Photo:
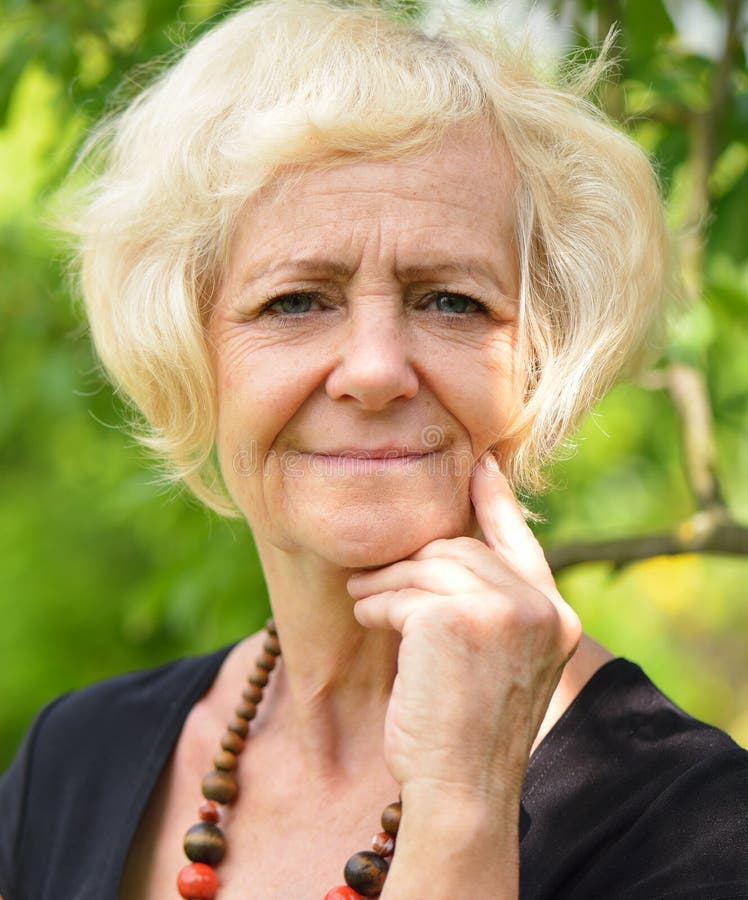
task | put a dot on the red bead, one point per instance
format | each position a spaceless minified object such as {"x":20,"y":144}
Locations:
{"x":342,"y":893}
{"x":197,"y":882}
{"x":383,"y":844}
{"x":208,"y":812}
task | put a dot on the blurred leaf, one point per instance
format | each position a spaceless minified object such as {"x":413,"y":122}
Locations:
{"x":646,"y":25}
{"x":727,"y":284}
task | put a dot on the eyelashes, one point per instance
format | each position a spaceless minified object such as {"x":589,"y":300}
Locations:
{"x":464,"y":304}
{"x":296,"y":303}
{"x":290,"y":305}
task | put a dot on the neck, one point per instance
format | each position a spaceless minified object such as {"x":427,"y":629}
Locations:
{"x":337,"y":677}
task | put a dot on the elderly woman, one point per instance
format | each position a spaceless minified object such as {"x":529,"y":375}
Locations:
{"x":376,"y":274}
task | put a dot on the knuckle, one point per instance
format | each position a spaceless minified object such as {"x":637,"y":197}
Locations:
{"x":448,"y":546}
{"x":469,"y":624}
{"x":467,"y":543}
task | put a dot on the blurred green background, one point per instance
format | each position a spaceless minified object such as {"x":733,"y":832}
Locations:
{"x":103,"y":571}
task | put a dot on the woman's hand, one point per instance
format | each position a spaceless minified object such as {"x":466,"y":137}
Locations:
{"x":485,"y":637}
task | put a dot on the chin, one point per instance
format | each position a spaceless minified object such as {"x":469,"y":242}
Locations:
{"x":372,"y":545}
{"x":364,"y":525}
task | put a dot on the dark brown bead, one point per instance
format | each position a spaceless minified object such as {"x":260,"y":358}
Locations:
{"x":246,"y":710}
{"x":205,"y":843}
{"x":270,"y":627}
{"x":272,"y":645}
{"x":252,"y":694}
{"x":220,"y":786}
{"x":266,"y":661}
{"x":239,"y":726}
{"x":365,"y":872}
{"x":260,"y":678}
{"x":225,"y":760}
{"x":232,"y":741}
{"x":391,"y":818}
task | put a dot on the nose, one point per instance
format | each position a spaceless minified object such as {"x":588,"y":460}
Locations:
{"x":374,"y":364}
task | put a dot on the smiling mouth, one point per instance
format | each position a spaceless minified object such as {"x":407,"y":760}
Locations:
{"x":352,"y":461}
{"x":346,"y":462}
{"x":381,"y":453}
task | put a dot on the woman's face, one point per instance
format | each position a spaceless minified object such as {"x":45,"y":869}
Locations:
{"x":364,"y":341}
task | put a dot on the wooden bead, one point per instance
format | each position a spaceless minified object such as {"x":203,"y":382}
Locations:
{"x":260,"y":678}
{"x":342,"y":893}
{"x":391,"y":818}
{"x":270,"y":627}
{"x":272,"y":646}
{"x":220,"y":786}
{"x":205,"y":843}
{"x":197,"y":882}
{"x":232,"y":741}
{"x":225,"y":760}
{"x":266,"y":661}
{"x":239,"y":726}
{"x":252,"y":693}
{"x":366,"y":872}
{"x":246,"y":710}
{"x":208,"y":812}
{"x":383,"y":844}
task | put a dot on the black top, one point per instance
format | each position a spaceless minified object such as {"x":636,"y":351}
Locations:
{"x":627,"y":798}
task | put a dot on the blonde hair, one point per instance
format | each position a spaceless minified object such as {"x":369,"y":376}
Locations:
{"x":307,"y":82}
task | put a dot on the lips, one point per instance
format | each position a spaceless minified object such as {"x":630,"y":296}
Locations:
{"x":375,"y":452}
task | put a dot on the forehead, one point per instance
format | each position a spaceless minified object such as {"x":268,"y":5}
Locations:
{"x":456,"y":198}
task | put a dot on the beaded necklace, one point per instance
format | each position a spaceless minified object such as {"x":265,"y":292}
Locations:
{"x":205,"y":843}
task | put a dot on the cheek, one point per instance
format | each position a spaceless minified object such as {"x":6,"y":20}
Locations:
{"x":481,"y":389}
{"x":258,"y":393}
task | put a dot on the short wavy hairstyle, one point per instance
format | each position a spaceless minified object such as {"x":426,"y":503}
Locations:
{"x":318,"y":82}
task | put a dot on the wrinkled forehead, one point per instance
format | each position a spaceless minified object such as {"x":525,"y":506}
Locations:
{"x":470,"y":172}
{"x":451,"y":205}
{"x":465,"y":148}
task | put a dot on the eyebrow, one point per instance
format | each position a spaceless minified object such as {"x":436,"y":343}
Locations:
{"x":422,"y":272}
{"x":307,"y":265}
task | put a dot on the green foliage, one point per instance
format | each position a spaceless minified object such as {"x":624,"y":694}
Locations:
{"x":104,"y":571}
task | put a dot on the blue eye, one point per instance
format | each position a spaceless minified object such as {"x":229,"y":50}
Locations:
{"x":454,"y":304}
{"x":292,"y":304}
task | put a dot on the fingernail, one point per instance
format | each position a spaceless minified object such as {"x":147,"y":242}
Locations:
{"x":489,"y":461}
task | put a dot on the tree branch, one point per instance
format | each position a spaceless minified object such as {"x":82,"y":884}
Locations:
{"x":705,"y":532}
{"x":710,"y":529}
{"x":688,"y":391}
{"x":703,"y":130}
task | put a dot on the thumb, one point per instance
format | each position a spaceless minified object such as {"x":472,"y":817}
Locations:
{"x":504,"y":527}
